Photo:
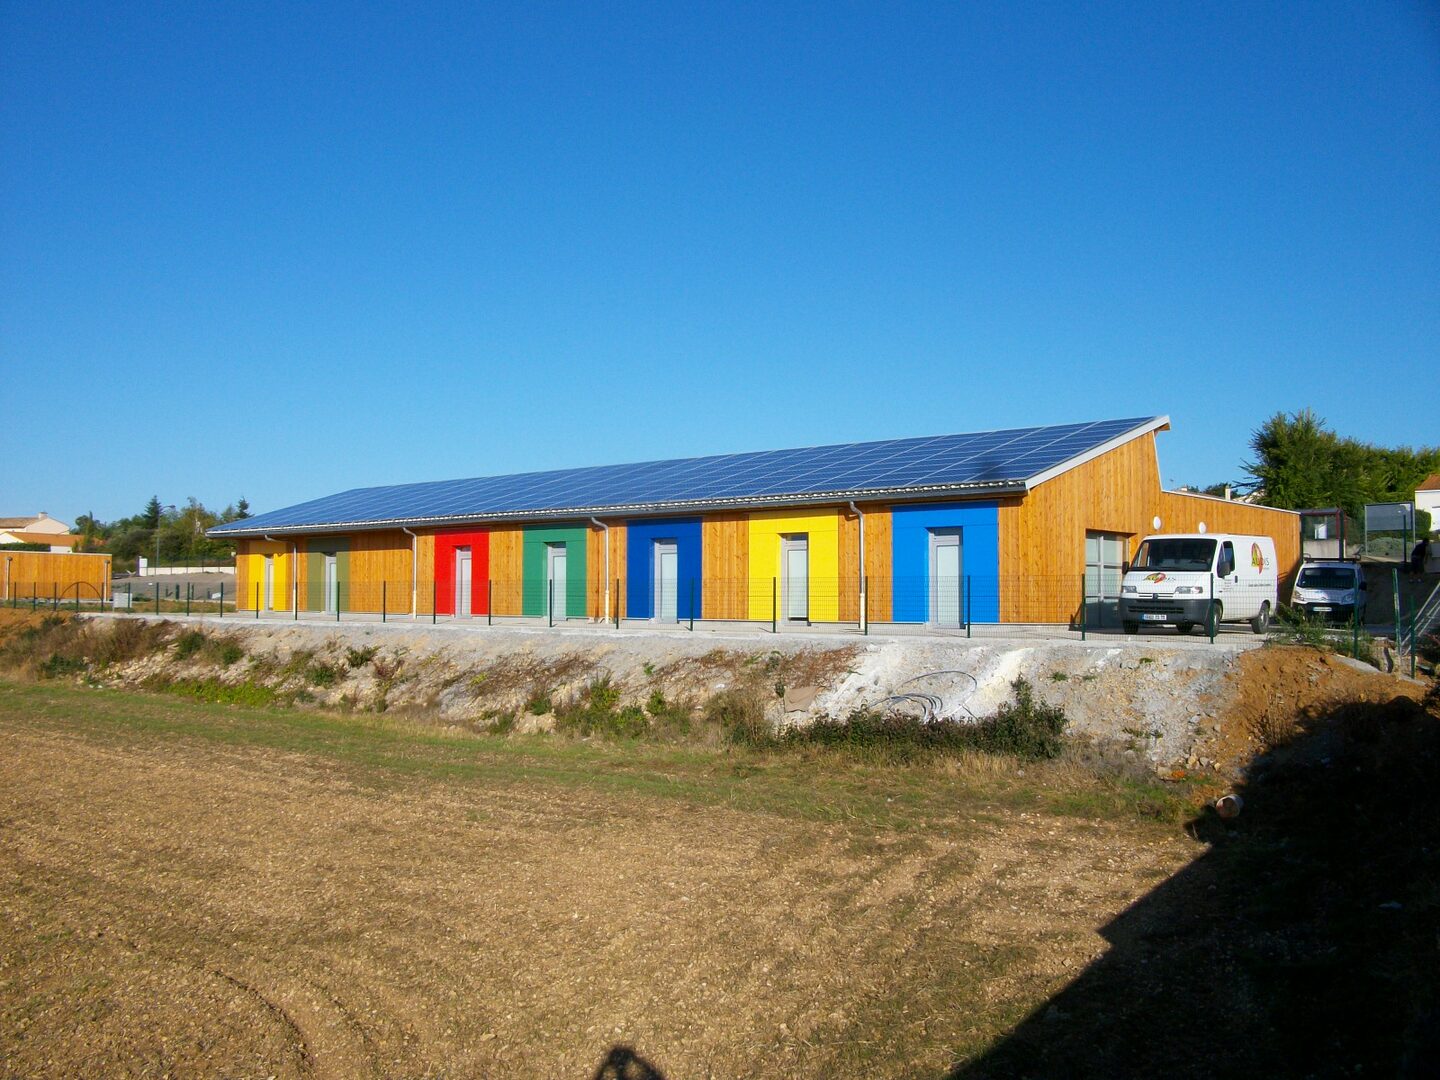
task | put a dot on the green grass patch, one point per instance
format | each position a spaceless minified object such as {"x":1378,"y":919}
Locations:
{"x":816,"y":784}
{"x":214,"y":692}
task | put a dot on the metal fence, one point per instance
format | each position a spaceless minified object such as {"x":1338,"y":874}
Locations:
{"x":967,"y":607}
{"x":173,"y":598}
{"x":964,"y":607}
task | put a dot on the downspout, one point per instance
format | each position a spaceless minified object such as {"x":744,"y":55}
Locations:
{"x":414,"y":573}
{"x":602,"y":525}
{"x":861,"y":515}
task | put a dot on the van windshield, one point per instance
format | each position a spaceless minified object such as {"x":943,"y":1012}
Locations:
{"x":1327,"y":577}
{"x":1175,"y":553}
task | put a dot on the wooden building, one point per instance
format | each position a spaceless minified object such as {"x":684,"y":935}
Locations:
{"x":1021,"y":526}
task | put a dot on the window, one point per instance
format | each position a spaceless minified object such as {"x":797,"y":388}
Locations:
{"x":1104,"y":565}
{"x":1174,"y":553}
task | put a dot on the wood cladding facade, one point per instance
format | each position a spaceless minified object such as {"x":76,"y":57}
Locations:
{"x":47,"y":575}
{"x":602,"y":573}
{"x":1035,"y":572}
{"x":380,"y":565}
{"x":725,"y":566}
{"x":507,"y":565}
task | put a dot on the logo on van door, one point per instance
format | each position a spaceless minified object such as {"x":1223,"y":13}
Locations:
{"x":1157,"y":578}
{"x":1257,"y":558}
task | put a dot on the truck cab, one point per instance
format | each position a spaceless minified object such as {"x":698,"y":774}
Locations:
{"x":1186,"y":580}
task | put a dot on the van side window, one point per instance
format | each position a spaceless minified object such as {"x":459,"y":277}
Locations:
{"x":1227,"y":559}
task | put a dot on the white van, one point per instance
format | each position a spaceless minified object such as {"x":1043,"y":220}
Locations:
{"x":1331,"y":589}
{"x":1186,"y":579}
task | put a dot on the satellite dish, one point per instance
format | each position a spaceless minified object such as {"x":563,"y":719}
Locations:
{"x":1201,"y":527}
{"x":1155,"y":522}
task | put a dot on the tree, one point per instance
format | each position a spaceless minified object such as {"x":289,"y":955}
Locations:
{"x":92,"y":532}
{"x":1301,"y":464}
{"x":151,"y":517}
{"x":242,"y":509}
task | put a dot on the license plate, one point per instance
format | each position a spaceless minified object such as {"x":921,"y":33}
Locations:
{"x":1322,"y":607}
{"x":1153,"y":618}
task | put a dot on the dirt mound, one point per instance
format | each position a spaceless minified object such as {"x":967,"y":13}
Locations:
{"x":1273,"y":692}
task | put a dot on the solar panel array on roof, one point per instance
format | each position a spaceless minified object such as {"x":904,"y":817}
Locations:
{"x":980,"y":460}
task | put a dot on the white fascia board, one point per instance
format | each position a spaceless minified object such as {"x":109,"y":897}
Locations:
{"x":1229,"y":502}
{"x":1159,"y":423}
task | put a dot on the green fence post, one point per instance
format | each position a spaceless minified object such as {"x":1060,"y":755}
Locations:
{"x":617,"y":603}
{"x":1084,"y":610}
{"x":383,"y":614}
{"x":1413,"y":643}
{"x":34,"y":594}
{"x":337,"y":595}
{"x":969,"y":594}
{"x":1211,"y":615}
{"x":865,"y":605}
{"x":692,"y":605}
{"x":295,"y":598}
{"x":257,"y":600}
{"x":157,"y":598}
{"x":774,"y":608}
{"x":434,"y":600}
{"x":54,"y":596}
{"x":489,"y":602}
{"x":1395,"y":601}
{"x":77,"y":598}
{"x":189,"y":595}
{"x":222,"y":598}
{"x":959,"y":598}
{"x":550,"y":607}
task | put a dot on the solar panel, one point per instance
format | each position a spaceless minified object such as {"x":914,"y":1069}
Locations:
{"x":891,"y":466}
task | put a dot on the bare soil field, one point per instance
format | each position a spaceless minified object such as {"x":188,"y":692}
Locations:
{"x":191,"y":889}
{"x":176,"y":905}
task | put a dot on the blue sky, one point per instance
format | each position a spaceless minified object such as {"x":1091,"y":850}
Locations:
{"x":283,"y":250}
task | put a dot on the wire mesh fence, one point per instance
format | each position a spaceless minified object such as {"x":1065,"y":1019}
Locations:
{"x":967,"y":606}
{"x":171,"y":598}
{"x":964,"y":606}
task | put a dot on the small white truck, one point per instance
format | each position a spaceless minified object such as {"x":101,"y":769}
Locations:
{"x":1189,"y":579}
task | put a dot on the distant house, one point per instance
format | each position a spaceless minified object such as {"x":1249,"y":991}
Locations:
{"x":1427,"y":497}
{"x":41,"y":529}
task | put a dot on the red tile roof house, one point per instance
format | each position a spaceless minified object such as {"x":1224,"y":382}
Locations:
{"x":41,"y":529}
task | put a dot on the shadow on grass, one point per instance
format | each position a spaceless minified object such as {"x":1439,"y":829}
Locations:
{"x":1305,"y":942}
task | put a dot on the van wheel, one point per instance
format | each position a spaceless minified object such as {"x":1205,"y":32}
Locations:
{"x":1184,"y":627}
{"x":1261,"y":621}
{"x":1130,"y":627}
{"x":1212,"y":620}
